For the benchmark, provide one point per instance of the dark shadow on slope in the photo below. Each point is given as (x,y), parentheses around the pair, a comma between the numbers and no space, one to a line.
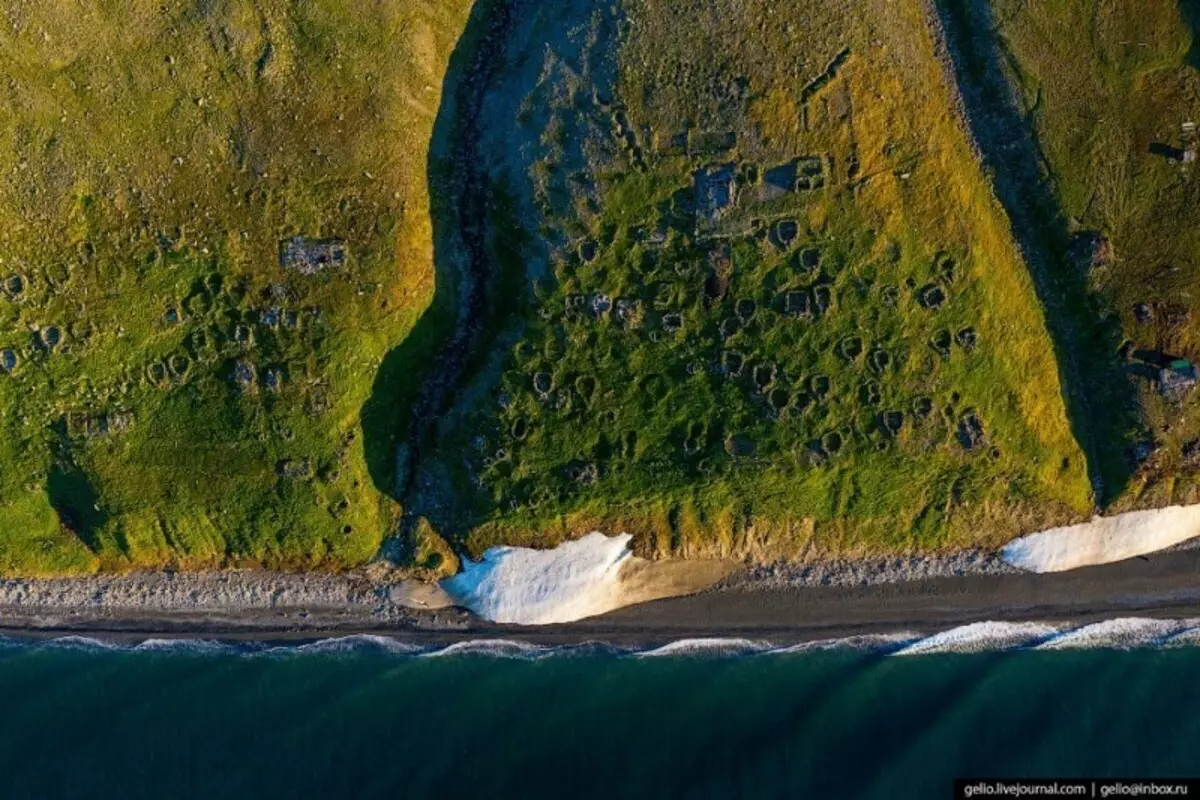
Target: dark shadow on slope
(417,378)
(1191,15)
(71,493)
(1101,402)
(76,503)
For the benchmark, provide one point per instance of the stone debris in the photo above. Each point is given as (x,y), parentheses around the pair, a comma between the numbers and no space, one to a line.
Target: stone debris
(931,296)
(970,430)
(95,426)
(310,256)
(294,468)
(273,379)
(245,376)
(628,310)
(716,190)
(1177,379)
(601,304)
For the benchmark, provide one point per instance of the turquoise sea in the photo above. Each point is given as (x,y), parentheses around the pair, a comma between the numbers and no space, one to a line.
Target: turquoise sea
(365,718)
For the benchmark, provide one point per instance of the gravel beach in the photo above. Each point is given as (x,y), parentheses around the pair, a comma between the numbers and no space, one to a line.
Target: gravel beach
(781,603)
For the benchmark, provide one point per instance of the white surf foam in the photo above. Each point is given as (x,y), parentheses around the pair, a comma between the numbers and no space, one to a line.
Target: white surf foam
(493,648)
(358,643)
(722,648)
(882,642)
(1188,635)
(1124,634)
(79,643)
(1104,539)
(1119,634)
(522,586)
(981,637)
(196,646)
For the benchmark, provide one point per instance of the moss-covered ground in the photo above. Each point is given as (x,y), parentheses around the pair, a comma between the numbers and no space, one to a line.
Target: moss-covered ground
(760,278)
(171,394)
(771,305)
(1112,92)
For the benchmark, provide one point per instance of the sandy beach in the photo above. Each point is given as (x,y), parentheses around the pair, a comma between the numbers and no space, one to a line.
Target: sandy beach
(268,607)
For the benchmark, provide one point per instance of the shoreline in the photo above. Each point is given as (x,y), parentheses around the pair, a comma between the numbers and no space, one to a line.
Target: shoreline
(779,605)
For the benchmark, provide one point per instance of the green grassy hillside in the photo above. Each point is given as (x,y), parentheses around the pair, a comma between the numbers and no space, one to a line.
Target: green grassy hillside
(1113,93)
(761,278)
(172,394)
(759,297)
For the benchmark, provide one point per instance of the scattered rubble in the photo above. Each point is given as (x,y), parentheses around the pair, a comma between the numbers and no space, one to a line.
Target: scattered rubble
(310,256)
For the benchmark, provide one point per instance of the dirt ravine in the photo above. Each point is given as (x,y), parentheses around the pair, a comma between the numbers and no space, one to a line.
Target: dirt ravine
(465,260)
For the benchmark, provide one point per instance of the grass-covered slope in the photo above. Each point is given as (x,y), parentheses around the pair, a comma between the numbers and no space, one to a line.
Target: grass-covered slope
(171,393)
(1113,93)
(758,294)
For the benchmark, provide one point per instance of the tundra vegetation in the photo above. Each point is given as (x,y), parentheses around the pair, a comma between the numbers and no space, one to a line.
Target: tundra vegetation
(765,300)
(281,283)
(1112,93)
(182,378)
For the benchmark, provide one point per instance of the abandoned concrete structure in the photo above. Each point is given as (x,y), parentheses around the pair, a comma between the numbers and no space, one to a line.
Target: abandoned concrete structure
(716,190)
(1177,379)
(310,256)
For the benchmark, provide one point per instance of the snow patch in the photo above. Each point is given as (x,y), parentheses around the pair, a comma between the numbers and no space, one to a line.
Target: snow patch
(522,586)
(1104,539)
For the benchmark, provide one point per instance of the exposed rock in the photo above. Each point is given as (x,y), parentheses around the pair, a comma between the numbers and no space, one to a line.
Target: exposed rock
(931,296)
(245,376)
(716,190)
(310,256)
(970,430)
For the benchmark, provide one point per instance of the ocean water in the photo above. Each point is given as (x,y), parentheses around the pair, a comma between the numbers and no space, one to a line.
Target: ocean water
(892,717)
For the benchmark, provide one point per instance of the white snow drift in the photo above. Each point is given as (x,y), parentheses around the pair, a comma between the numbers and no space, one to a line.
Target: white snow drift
(1104,539)
(539,587)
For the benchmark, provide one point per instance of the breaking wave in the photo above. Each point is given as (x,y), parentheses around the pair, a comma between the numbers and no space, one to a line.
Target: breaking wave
(1117,634)
(196,646)
(982,636)
(883,642)
(708,647)
(496,648)
(358,643)
(1129,633)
